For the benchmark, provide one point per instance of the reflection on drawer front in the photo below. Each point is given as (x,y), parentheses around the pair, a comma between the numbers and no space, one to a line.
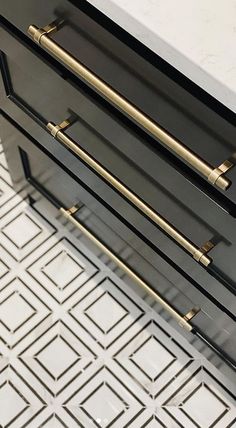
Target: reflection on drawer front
(145,267)
(176,208)
(193,132)
(131,153)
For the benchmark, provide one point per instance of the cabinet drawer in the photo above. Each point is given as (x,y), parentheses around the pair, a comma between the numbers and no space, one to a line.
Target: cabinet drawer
(43,171)
(194,126)
(40,90)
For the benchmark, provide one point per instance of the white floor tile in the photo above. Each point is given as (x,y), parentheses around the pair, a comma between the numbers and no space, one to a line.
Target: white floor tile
(78,347)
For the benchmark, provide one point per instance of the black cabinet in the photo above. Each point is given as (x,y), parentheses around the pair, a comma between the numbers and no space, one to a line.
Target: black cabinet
(51,176)
(182,115)
(36,88)
(47,96)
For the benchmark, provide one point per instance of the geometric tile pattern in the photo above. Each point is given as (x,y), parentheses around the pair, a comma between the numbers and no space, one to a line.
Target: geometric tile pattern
(104,401)
(199,400)
(62,270)
(13,403)
(4,269)
(78,348)
(106,311)
(56,357)
(20,312)
(22,232)
(139,357)
(19,401)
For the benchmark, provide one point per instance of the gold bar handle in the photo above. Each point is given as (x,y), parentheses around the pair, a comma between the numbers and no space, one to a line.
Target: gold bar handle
(199,254)
(214,175)
(182,320)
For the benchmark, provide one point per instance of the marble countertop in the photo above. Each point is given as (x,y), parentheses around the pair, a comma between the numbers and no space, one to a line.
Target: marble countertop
(198,37)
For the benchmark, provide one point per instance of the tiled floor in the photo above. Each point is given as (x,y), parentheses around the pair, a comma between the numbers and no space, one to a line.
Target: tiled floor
(78,348)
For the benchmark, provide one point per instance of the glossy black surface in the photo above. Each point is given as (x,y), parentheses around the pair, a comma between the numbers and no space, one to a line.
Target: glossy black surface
(36,89)
(130,156)
(43,171)
(189,120)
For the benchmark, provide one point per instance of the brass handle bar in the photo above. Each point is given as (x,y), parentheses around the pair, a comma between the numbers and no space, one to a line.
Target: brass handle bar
(214,175)
(182,320)
(199,254)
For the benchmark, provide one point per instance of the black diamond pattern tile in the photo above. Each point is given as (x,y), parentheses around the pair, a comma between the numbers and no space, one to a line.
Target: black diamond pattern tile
(78,348)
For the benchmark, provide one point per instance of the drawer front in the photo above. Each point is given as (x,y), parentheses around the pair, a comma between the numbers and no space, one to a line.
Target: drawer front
(42,170)
(188,120)
(125,153)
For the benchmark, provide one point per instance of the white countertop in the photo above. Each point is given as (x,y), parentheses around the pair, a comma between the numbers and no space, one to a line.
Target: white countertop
(198,37)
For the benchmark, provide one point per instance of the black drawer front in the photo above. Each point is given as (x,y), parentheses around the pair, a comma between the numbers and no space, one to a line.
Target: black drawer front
(27,161)
(46,96)
(192,123)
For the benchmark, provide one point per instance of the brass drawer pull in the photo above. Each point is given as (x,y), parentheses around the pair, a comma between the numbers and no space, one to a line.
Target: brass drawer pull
(199,254)
(214,175)
(182,320)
